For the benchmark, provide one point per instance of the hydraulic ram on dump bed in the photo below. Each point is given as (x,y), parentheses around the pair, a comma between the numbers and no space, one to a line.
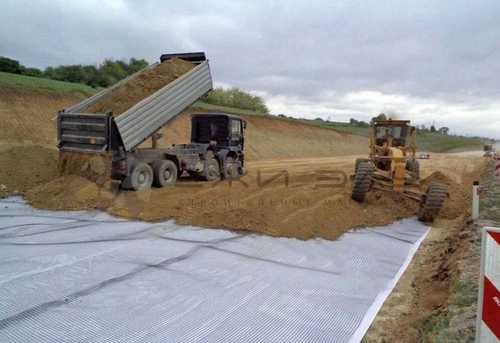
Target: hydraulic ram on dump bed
(217,139)
(97,133)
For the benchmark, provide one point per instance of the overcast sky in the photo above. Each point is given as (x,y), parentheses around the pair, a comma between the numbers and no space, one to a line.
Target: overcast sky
(424,60)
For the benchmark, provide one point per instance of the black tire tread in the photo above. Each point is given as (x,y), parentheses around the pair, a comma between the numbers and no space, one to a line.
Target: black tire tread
(434,200)
(362,181)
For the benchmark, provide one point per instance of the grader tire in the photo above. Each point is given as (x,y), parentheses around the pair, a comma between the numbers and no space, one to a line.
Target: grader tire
(362,181)
(433,202)
(358,162)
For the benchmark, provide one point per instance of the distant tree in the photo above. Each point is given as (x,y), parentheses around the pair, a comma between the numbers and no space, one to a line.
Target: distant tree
(106,74)
(433,128)
(237,98)
(10,66)
(444,130)
(381,116)
(134,65)
(32,72)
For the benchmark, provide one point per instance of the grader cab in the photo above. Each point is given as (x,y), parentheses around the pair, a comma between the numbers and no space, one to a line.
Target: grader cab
(392,167)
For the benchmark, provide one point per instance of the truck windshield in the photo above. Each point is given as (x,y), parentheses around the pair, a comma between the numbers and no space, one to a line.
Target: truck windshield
(208,129)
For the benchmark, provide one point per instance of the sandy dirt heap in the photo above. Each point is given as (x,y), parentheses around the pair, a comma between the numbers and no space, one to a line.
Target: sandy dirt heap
(140,87)
(96,168)
(22,168)
(69,193)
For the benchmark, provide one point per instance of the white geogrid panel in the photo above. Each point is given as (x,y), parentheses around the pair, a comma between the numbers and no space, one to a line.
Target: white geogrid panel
(89,277)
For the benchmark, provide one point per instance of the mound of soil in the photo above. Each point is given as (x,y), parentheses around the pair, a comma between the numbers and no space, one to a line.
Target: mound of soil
(96,168)
(69,193)
(459,198)
(24,167)
(140,87)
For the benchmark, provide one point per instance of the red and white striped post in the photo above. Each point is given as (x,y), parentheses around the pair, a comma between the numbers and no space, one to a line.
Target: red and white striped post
(488,318)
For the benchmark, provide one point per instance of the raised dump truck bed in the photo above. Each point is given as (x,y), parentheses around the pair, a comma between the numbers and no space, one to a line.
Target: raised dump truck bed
(96,133)
(217,139)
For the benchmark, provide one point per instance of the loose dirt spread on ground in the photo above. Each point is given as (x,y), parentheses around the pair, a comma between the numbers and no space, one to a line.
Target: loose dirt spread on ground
(289,198)
(22,168)
(140,87)
(96,168)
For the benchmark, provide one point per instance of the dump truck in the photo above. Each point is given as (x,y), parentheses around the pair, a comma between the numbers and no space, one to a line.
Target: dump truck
(392,167)
(216,150)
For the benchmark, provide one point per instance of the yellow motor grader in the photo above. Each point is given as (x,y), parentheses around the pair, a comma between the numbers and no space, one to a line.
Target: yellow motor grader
(392,167)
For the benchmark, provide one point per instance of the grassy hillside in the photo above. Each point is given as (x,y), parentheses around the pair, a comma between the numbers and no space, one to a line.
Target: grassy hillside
(66,93)
(427,141)
(36,83)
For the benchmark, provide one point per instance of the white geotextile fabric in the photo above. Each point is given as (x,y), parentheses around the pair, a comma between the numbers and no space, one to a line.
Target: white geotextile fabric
(89,277)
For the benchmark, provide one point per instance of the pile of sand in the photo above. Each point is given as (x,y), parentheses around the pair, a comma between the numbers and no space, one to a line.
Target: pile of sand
(69,193)
(140,87)
(459,199)
(96,168)
(24,167)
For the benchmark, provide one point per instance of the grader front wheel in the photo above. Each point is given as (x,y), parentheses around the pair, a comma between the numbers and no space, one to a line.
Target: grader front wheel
(432,202)
(362,181)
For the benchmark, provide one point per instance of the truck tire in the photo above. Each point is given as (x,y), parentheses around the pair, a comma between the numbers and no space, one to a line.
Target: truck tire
(231,169)
(165,173)
(432,202)
(140,178)
(212,169)
(362,181)
(413,166)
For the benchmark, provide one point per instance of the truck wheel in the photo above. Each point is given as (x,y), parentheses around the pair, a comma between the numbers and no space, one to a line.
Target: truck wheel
(432,202)
(231,169)
(212,169)
(362,181)
(414,167)
(165,173)
(140,178)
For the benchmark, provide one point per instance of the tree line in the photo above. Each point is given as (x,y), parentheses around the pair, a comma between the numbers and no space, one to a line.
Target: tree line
(103,75)
(235,97)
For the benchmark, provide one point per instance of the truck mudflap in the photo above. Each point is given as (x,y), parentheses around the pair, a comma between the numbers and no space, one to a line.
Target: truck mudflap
(85,133)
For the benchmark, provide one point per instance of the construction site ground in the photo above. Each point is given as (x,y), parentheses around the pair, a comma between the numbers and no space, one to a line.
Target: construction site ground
(295,186)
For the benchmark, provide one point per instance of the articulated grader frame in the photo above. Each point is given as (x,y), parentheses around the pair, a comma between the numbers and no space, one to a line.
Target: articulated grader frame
(392,167)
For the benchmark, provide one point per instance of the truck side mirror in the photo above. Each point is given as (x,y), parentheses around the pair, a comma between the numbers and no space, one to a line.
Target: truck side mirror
(244,124)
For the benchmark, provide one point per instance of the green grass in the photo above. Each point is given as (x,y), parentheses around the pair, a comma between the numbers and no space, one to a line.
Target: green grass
(435,142)
(37,83)
(426,141)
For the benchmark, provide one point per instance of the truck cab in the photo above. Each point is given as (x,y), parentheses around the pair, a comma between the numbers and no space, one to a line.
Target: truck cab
(219,129)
